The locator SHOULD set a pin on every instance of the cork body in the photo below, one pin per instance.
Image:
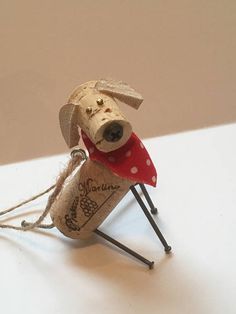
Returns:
(87, 200)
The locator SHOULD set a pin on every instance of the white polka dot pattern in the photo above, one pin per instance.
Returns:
(130, 161)
(134, 170)
(128, 153)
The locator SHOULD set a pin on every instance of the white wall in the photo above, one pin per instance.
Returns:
(181, 55)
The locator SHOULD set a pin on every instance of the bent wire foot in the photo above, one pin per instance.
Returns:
(124, 248)
(150, 219)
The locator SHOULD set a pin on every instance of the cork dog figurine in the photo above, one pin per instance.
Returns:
(84, 195)
(117, 161)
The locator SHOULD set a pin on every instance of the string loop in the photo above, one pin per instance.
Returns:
(74, 162)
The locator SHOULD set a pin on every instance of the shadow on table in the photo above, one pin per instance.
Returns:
(166, 286)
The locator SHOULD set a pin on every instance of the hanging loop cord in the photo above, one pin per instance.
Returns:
(77, 156)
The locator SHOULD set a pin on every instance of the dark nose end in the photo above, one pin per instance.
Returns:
(113, 132)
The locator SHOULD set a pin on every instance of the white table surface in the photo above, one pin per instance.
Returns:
(44, 272)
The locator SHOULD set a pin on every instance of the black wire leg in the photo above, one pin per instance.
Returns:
(154, 210)
(124, 248)
(150, 219)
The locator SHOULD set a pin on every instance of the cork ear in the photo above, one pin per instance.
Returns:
(121, 91)
(68, 117)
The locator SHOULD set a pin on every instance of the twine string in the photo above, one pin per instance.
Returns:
(3, 212)
(73, 163)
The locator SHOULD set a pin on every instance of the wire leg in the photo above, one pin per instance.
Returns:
(150, 219)
(124, 248)
(154, 210)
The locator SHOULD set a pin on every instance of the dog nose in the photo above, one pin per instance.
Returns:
(113, 132)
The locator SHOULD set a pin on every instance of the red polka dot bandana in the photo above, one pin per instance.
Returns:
(130, 161)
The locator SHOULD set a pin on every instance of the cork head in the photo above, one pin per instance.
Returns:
(93, 108)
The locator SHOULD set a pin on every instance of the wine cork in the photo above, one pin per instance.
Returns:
(87, 199)
(92, 107)
(96, 112)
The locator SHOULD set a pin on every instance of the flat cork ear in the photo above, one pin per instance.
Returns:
(68, 117)
(121, 91)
